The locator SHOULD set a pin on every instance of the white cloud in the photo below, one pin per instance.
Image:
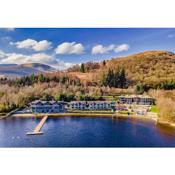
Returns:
(32, 44)
(28, 43)
(121, 48)
(2, 54)
(61, 65)
(70, 48)
(100, 49)
(15, 58)
(42, 45)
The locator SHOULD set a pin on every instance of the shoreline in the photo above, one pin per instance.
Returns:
(166, 123)
(112, 115)
(83, 114)
(63, 115)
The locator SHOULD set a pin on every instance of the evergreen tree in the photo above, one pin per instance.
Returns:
(32, 78)
(109, 78)
(122, 78)
(168, 85)
(139, 89)
(114, 79)
(82, 68)
(41, 78)
(104, 63)
(104, 82)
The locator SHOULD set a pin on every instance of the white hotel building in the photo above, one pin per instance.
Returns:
(136, 99)
(39, 106)
(92, 105)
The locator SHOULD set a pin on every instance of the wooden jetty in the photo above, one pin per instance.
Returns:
(38, 127)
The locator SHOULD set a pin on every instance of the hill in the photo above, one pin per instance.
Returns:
(38, 66)
(150, 67)
(15, 70)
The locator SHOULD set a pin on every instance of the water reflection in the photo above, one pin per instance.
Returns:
(165, 130)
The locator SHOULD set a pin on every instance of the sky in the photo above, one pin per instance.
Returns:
(64, 47)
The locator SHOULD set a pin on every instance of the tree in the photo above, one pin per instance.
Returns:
(60, 97)
(47, 97)
(139, 89)
(64, 79)
(41, 78)
(64, 97)
(114, 79)
(32, 78)
(104, 63)
(109, 78)
(168, 85)
(82, 68)
(122, 78)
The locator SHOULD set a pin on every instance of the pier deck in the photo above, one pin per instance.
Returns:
(38, 127)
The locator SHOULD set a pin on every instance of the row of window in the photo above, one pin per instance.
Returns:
(138, 101)
(47, 109)
(92, 107)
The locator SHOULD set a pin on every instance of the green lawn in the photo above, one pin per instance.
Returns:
(154, 109)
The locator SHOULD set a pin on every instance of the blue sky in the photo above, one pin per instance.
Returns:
(63, 47)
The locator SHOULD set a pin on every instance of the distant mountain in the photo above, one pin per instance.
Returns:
(39, 67)
(15, 70)
(7, 65)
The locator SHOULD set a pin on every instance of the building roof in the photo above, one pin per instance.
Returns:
(92, 102)
(40, 102)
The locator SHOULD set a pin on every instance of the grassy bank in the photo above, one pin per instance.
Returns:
(154, 109)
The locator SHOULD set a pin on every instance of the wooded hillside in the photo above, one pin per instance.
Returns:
(150, 67)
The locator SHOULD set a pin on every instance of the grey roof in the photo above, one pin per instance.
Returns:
(40, 102)
(92, 102)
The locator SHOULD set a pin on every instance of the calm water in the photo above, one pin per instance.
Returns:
(85, 132)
